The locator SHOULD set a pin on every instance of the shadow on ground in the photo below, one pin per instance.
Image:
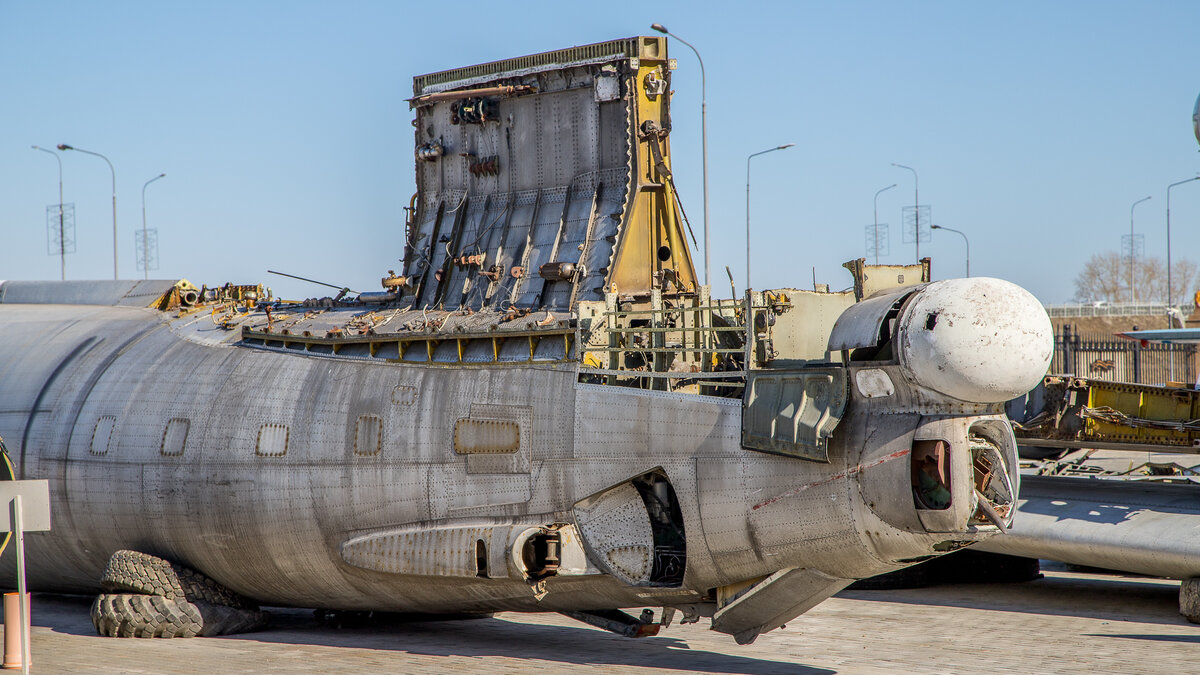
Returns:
(1151, 601)
(494, 637)
(1187, 639)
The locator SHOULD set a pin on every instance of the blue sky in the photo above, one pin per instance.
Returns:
(286, 139)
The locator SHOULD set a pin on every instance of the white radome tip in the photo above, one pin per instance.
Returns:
(981, 340)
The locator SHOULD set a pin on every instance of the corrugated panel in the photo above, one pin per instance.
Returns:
(552, 149)
(431, 247)
(515, 242)
(557, 294)
(140, 293)
(545, 230)
(440, 552)
(463, 243)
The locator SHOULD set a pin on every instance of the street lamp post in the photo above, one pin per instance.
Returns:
(964, 236)
(875, 232)
(749, 308)
(62, 244)
(64, 146)
(1132, 249)
(703, 134)
(1170, 296)
(780, 147)
(145, 241)
(916, 206)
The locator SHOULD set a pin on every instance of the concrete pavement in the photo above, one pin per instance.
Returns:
(1068, 622)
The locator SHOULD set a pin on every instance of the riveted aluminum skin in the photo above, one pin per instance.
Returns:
(271, 523)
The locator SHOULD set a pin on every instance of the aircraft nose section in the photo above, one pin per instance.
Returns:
(981, 340)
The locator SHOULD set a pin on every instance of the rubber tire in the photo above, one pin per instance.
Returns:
(1189, 599)
(134, 572)
(154, 616)
(144, 616)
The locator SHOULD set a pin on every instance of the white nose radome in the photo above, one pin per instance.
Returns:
(981, 340)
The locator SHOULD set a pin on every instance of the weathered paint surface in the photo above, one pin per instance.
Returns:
(273, 524)
(977, 339)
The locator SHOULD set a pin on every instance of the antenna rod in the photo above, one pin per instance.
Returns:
(311, 281)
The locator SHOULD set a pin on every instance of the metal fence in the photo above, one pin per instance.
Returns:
(1105, 357)
(1107, 309)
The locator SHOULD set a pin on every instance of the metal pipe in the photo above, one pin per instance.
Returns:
(22, 593)
(875, 232)
(146, 242)
(916, 206)
(64, 146)
(376, 297)
(1132, 295)
(703, 134)
(468, 93)
(62, 244)
(1170, 296)
(964, 236)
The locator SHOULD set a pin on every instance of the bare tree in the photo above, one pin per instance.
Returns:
(1105, 277)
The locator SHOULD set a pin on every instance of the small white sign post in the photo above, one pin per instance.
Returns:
(28, 509)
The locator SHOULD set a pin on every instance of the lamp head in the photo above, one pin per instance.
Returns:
(935, 227)
(64, 146)
(785, 146)
(1196, 119)
(659, 27)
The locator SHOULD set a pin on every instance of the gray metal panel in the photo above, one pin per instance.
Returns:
(780, 598)
(141, 293)
(859, 326)
(794, 412)
(721, 484)
(801, 334)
